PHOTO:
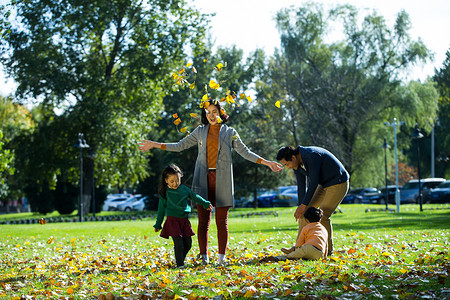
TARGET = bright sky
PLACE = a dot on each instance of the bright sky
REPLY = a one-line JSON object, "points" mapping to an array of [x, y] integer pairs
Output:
{"points": [[249, 24]]}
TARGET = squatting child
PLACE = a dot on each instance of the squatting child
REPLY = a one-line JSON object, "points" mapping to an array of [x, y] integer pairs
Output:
{"points": [[313, 240]]}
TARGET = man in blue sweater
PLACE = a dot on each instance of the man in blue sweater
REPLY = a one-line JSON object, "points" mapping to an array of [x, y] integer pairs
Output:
{"points": [[322, 182]]}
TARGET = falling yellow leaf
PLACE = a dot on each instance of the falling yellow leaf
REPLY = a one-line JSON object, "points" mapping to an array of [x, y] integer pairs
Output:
{"points": [[242, 96], [175, 116], [192, 85], [193, 115], [194, 69], [205, 97], [219, 67], [188, 65], [277, 104], [218, 119], [222, 111], [213, 84], [50, 240], [249, 99], [181, 71], [230, 99], [183, 130], [177, 121]]}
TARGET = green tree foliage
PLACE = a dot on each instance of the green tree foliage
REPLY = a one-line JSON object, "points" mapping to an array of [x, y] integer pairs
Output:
{"points": [[442, 78], [6, 158], [105, 65], [338, 94], [14, 119]]}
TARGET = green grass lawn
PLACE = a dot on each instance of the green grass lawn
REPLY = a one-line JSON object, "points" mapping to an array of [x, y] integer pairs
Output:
{"points": [[378, 254]]}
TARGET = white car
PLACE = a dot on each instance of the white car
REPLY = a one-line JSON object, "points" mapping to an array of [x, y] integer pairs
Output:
{"points": [[112, 203], [130, 203], [140, 204]]}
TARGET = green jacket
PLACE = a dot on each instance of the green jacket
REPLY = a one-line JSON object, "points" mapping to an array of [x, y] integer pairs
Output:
{"points": [[176, 204]]}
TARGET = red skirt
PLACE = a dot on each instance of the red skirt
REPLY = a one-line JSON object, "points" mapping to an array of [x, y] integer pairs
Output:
{"points": [[174, 226]]}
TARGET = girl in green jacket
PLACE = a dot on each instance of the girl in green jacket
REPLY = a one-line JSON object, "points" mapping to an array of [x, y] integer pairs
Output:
{"points": [[174, 202]]}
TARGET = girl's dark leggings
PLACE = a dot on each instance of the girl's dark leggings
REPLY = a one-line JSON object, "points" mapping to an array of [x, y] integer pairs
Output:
{"points": [[182, 245]]}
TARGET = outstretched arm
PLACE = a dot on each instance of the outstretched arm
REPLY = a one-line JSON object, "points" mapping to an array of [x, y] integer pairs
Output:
{"points": [[243, 151], [274, 166], [146, 145]]}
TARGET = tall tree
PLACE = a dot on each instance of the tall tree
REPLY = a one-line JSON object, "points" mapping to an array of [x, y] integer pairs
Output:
{"points": [[106, 65], [442, 78], [15, 119], [335, 94], [6, 169]]}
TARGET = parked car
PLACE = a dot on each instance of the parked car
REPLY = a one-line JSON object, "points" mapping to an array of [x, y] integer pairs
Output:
{"points": [[371, 196], [286, 199], [112, 203], [439, 194], [242, 201], [266, 199], [391, 194], [410, 191], [128, 204], [363, 195], [351, 196], [124, 195]]}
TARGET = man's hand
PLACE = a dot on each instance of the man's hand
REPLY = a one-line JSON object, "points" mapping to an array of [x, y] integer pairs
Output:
{"points": [[299, 211], [157, 229]]}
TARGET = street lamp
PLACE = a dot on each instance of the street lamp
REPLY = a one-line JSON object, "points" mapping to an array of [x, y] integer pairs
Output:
{"points": [[416, 135], [92, 156], [397, 190], [81, 145], [385, 147]]}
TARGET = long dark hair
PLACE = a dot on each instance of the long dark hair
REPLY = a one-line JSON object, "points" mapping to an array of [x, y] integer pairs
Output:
{"points": [[222, 113], [171, 169]]}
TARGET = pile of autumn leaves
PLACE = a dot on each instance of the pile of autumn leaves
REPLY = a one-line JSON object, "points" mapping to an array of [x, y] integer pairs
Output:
{"points": [[137, 267]]}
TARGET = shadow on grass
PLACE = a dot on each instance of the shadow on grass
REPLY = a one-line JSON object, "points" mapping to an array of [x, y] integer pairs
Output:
{"points": [[378, 220], [411, 221]]}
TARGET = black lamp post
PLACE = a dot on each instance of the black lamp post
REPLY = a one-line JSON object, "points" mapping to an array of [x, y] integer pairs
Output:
{"points": [[81, 145], [416, 136], [385, 147], [92, 156]]}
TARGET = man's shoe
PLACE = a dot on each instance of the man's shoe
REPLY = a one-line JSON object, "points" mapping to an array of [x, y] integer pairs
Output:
{"points": [[288, 250]]}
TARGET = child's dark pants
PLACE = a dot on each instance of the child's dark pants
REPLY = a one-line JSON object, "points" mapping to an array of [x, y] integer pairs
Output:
{"points": [[182, 245]]}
